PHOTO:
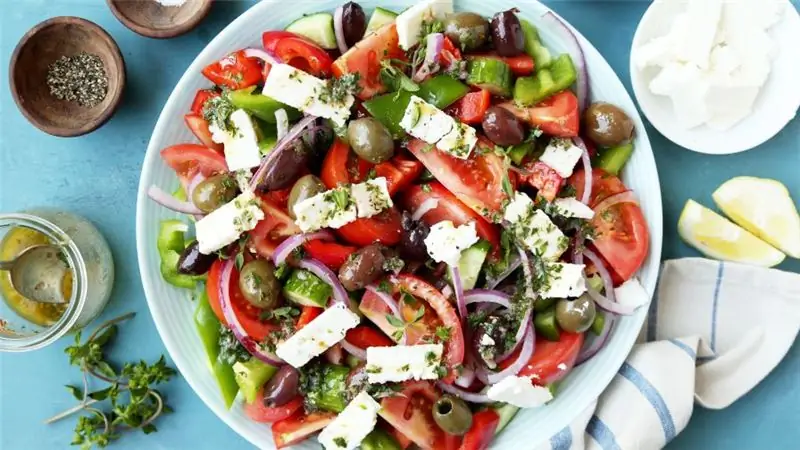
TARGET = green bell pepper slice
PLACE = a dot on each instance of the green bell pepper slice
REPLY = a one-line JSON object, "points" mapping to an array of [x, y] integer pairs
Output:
{"points": [[329, 391], [561, 74], [260, 105], [170, 243], [546, 325], [378, 439], [442, 91], [208, 328], [533, 45], [251, 375]]}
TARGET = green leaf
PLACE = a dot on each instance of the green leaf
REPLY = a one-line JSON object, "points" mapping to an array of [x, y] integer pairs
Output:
{"points": [[105, 369], [418, 314], [108, 334], [394, 321], [75, 391], [149, 428], [101, 394], [239, 261], [507, 188], [385, 287]]}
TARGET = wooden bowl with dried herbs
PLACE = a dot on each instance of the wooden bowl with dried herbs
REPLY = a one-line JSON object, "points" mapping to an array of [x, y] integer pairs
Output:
{"points": [[67, 76]]}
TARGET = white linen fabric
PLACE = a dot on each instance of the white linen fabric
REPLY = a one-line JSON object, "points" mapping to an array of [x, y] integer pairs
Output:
{"points": [[714, 331]]}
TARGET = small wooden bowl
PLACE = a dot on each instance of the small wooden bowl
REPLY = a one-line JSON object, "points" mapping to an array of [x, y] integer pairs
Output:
{"points": [[40, 47], [152, 19]]}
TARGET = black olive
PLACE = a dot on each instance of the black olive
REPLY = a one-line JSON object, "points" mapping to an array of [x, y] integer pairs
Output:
{"points": [[318, 139], [354, 23], [507, 35], [192, 262], [502, 127], [282, 387], [412, 241], [362, 267], [288, 164]]}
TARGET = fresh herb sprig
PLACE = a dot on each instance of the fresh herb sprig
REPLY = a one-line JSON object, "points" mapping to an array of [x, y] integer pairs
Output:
{"points": [[134, 402]]}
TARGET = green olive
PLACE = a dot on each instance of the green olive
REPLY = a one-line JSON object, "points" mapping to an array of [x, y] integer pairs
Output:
{"points": [[575, 316], [452, 415], [607, 125], [214, 192], [305, 187], [259, 285], [467, 30], [370, 140]]}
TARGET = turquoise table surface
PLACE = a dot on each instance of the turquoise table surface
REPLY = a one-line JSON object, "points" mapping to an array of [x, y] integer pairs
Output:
{"points": [[97, 176]]}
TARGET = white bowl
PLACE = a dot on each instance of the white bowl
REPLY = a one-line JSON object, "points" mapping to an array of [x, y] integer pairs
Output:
{"points": [[172, 308], [776, 105]]}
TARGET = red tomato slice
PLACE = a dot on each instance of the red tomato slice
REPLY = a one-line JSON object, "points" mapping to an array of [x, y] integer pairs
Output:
{"points": [[477, 181], [364, 336], [449, 54], [331, 254], [246, 313], [400, 172], [200, 99], [543, 367], [235, 71], [189, 159], [199, 127], [448, 207], [556, 116], [298, 427], [472, 107], [365, 58], [259, 412], [410, 413], [376, 311], [298, 52], [482, 431], [309, 313], [621, 235], [521, 65], [544, 178], [273, 229]]}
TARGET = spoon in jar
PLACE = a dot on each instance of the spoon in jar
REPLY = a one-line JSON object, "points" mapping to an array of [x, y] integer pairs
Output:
{"points": [[37, 273]]}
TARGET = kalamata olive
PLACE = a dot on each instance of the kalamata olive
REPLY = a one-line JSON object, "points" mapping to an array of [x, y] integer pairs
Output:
{"points": [[370, 140], [318, 139], [363, 267], [192, 262], [502, 127], [412, 241], [507, 35], [575, 316], [259, 285], [214, 192], [282, 387], [452, 415], [607, 125], [305, 187], [468, 30], [287, 165], [354, 23]]}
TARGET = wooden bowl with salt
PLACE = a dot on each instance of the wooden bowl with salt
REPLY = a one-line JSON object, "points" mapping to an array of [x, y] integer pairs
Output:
{"points": [[160, 19]]}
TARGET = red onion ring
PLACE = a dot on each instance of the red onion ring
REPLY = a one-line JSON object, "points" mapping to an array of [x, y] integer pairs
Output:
{"points": [[424, 208], [462, 394], [528, 346], [587, 169], [354, 350], [166, 200], [622, 197], [576, 52], [594, 345], [282, 123], [458, 286], [286, 247], [487, 296], [268, 162], [524, 324], [322, 271], [338, 28], [263, 55], [608, 301], [233, 322], [512, 266]]}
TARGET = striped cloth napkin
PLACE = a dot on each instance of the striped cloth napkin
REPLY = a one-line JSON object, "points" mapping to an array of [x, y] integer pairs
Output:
{"points": [[715, 330]]}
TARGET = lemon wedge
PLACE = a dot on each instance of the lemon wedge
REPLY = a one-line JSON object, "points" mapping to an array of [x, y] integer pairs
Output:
{"points": [[764, 208], [719, 238]]}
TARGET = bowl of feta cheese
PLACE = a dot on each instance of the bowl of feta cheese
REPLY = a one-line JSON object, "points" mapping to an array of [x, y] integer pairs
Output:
{"points": [[717, 76]]}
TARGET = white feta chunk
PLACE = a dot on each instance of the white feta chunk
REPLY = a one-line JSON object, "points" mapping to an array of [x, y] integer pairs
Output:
{"points": [[352, 425], [319, 335], [403, 362], [695, 45], [426, 122], [572, 207], [371, 197], [409, 22], [445, 242], [631, 293], [534, 229], [520, 392], [460, 141], [334, 208], [564, 281], [306, 93], [344, 208], [562, 156], [225, 224]]}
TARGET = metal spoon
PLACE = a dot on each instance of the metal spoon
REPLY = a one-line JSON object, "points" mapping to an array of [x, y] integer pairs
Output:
{"points": [[37, 273]]}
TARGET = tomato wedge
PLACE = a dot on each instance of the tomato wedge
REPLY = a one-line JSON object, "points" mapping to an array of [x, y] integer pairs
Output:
{"points": [[246, 313], [200, 99], [199, 127], [331, 254], [477, 181], [399, 172], [551, 361], [365, 59], [449, 54], [298, 52], [235, 71], [309, 313], [410, 413], [364, 336], [376, 311], [472, 107], [273, 229], [556, 116], [189, 159], [480, 435], [298, 427], [544, 178], [259, 412], [621, 235]]}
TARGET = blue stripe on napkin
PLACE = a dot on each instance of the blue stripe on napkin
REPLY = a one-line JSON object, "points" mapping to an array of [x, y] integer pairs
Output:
{"points": [[689, 350], [600, 432], [715, 304], [562, 440], [652, 395]]}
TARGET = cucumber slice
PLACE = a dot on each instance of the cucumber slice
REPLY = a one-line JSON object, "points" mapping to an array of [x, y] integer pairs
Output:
{"points": [[317, 27], [471, 262], [613, 159], [545, 324], [250, 375], [506, 413], [598, 323], [490, 74], [533, 46], [380, 17], [306, 289]]}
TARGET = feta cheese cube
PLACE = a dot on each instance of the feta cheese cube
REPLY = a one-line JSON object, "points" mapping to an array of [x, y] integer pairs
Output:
{"points": [[533, 229], [319, 335], [564, 281], [426, 122], [520, 392], [446, 242], [371, 197], [631, 293], [561, 156], [224, 225], [695, 45], [344, 208], [460, 141], [352, 425], [403, 362], [306, 93], [241, 141], [409, 22], [572, 207], [334, 208]]}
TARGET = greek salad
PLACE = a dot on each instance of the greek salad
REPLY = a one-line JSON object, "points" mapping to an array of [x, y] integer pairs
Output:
{"points": [[407, 226]]}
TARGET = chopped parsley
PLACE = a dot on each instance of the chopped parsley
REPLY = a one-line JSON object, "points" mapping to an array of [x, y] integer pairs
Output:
{"points": [[230, 350], [426, 188], [217, 110], [340, 442], [339, 88], [443, 333]]}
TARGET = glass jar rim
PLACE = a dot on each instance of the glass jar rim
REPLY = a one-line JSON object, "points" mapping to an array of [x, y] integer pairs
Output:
{"points": [[79, 292]]}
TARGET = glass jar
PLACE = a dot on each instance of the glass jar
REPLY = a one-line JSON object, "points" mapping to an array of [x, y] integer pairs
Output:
{"points": [[28, 325]]}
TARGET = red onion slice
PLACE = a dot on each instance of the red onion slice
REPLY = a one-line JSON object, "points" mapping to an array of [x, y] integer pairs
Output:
{"points": [[338, 28], [424, 208], [282, 123], [587, 169], [594, 345], [354, 350], [462, 394], [466, 378], [233, 322], [622, 197], [576, 52], [322, 271], [166, 200], [524, 324], [434, 45], [286, 247], [487, 296], [268, 162], [455, 275], [387, 299], [263, 55], [528, 346], [512, 266], [608, 301]]}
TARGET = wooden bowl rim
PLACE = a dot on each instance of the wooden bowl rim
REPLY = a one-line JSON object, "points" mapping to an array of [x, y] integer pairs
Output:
{"points": [[118, 78], [161, 33]]}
